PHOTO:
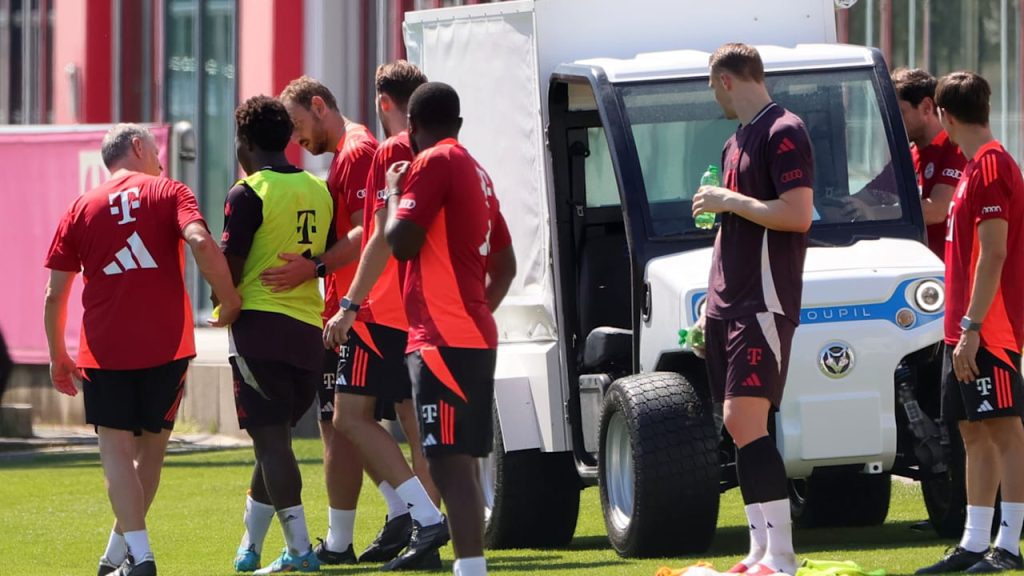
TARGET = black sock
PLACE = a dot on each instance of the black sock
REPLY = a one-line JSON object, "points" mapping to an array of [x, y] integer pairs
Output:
{"points": [[760, 471]]}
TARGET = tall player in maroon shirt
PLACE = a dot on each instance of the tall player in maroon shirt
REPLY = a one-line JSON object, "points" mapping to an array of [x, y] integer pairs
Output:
{"points": [[984, 330], [755, 288], [125, 237], [445, 223]]}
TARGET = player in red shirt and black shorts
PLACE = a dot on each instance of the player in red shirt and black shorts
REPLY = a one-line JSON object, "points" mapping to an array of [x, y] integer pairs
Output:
{"points": [[376, 373], [444, 222], [755, 289], [125, 237], [984, 330]]}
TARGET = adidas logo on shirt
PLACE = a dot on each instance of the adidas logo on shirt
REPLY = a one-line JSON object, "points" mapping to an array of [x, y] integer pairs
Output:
{"points": [[430, 440], [984, 407], [134, 255]]}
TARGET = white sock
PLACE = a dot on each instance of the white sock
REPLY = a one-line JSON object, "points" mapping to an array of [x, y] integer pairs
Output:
{"points": [[396, 506], [257, 522], [138, 545], [339, 531], [475, 566], [779, 525], [978, 528], [419, 503], [296, 535], [117, 549], [1009, 527], [758, 535]]}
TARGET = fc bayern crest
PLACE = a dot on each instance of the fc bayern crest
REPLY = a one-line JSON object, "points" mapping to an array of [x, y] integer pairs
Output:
{"points": [[929, 170]]}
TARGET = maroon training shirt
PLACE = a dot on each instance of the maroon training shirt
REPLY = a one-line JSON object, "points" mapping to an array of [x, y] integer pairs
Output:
{"points": [[754, 269]]}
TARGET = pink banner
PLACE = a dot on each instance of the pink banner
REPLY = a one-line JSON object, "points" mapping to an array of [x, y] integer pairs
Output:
{"points": [[44, 169]]}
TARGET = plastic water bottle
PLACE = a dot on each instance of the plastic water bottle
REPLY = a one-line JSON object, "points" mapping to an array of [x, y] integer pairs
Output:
{"points": [[692, 338], [706, 221]]}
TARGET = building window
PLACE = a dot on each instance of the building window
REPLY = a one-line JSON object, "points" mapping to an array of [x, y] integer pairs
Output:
{"points": [[942, 36], [26, 70]]}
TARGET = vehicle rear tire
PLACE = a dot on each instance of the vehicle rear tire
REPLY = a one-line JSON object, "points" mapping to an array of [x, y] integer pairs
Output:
{"points": [[945, 495], [531, 498], [658, 467], [840, 496]]}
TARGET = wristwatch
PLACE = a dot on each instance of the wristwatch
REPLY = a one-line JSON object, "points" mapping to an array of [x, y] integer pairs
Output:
{"points": [[347, 304], [392, 192], [320, 267], [967, 324]]}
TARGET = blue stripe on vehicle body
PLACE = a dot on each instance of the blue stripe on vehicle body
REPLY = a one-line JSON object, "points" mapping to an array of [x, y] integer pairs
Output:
{"points": [[885, 311]]}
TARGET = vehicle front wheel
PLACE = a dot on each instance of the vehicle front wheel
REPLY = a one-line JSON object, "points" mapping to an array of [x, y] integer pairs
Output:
{"points": [[658, 467]]}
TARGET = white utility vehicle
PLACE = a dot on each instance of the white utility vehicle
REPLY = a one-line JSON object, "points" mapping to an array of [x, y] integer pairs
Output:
{"points": [[595, 120]]}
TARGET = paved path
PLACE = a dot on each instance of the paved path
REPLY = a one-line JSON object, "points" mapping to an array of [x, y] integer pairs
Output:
{"points": [[82, 439]]}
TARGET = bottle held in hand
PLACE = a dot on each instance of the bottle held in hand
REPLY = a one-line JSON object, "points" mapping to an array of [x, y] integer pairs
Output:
{"points": [[706, 221]]}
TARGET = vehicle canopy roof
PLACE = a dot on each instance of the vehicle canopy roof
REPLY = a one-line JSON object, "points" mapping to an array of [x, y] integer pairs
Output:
{"points": [[694, 63]]}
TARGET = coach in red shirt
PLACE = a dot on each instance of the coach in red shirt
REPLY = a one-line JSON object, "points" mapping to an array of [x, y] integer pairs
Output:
{"points": [[938, 161], [981, 387], [445, 224], [125, 236]]}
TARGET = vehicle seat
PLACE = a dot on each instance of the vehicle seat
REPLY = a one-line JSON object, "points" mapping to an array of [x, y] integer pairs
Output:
{"points": [[608, 350]]}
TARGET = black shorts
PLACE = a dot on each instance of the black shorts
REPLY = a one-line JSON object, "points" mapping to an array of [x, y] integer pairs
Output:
{"points": [[748, 356], [325, 391], [995, 393], [271, 393], [376, 367], [454, 395], [136, 400]]}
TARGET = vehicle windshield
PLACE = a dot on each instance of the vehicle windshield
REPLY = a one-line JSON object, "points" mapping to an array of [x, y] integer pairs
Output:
{"points": [[680, 130]]}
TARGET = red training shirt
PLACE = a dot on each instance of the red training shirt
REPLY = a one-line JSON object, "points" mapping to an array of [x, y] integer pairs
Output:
{"points": [[125, 236], [347, 182], [991, 187], [940, 162], [450, 196], [384, 303]]}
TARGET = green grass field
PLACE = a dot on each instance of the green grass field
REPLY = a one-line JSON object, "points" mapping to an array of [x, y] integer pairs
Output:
{"points": [[56, 519]]}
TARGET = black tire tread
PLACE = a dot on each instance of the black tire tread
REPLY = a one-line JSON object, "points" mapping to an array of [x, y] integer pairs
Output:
{"points": [[536, 499], [676, 484]]}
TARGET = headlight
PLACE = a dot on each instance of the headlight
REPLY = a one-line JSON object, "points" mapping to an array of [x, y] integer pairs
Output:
{"points": [[929, 296], [702, 305]]}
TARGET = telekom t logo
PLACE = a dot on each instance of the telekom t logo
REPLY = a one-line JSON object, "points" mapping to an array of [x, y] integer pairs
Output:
{"points": [[306, 225], [122, 203], [429, 413]]}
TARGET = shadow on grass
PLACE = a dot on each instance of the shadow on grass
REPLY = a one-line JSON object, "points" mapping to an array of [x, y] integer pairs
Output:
{"points": [[734, 540], [539, 564], [92, 459]]}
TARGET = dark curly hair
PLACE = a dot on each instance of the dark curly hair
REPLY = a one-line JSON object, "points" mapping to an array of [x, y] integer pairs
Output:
{"points": [[263, 122]]}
